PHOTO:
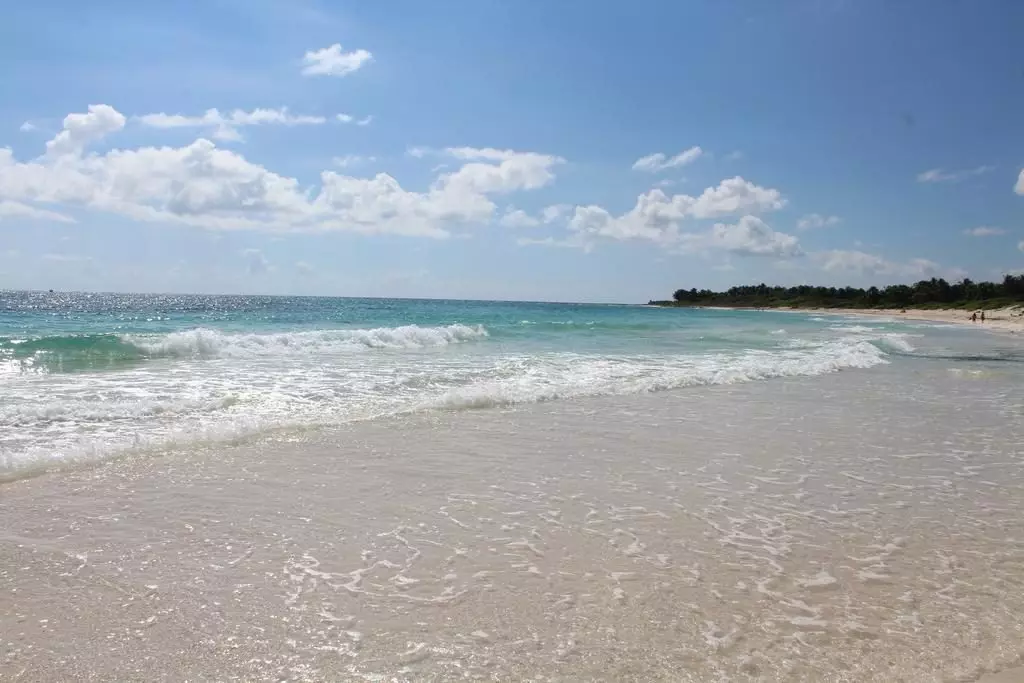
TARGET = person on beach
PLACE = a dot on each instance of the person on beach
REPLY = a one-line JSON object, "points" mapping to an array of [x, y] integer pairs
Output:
{"points": [[983, 316], [974, 317]]}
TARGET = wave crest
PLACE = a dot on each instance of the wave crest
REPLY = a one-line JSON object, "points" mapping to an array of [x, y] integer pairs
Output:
{"points": [[206, 343]]}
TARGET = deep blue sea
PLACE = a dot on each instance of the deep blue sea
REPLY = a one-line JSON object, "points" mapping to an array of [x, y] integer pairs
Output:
{"points": [[86, 376]]}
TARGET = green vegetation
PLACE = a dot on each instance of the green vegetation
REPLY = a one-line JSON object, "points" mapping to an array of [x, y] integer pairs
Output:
{"points": [[934, 293]]}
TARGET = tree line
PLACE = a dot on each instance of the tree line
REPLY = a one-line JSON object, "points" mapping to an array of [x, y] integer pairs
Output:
{"points": [[933, 293]]}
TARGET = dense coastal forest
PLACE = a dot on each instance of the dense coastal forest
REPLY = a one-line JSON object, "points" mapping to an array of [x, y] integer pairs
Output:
{"points": [[934, 293]]}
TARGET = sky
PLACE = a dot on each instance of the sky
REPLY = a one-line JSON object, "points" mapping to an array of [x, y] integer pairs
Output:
{"points": [[580, 150]]}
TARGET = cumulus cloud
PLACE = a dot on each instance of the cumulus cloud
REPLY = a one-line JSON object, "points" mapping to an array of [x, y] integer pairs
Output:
{"points": [[9, 209], [555, 212], [984, 231], [749, 236], [652, 163], [862, 262], [304, 268], [735, 195], [514, 171], [939, 175], [476, 153], [1019, 188], [816, 220], [657, 216], [206, 186], [82, 129], [27, 127], [225, 126], [332, 61], [517, 218]]}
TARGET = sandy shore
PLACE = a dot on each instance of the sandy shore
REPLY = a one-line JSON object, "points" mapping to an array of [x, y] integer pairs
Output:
{"points": [[1003, 319], [745, 532]]}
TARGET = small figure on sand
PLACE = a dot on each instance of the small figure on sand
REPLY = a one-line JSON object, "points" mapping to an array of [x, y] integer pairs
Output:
{"points": [[983, 316], [974, 317]]}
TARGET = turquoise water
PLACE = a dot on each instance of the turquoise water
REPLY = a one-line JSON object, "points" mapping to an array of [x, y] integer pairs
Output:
{"points": [[86, 376]]}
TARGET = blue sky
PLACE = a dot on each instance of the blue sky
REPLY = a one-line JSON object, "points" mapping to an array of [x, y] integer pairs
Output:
{"points": [[599, 151]]}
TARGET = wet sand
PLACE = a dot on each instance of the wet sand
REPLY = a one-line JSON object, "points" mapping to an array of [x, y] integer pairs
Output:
{"points": [[838, 528]]}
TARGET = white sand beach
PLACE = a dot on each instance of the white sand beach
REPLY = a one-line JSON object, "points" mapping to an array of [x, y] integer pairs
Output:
{"points": [[1009, 319], [841, 528]]}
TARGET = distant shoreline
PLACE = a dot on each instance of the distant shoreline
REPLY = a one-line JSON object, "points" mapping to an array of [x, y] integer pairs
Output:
{"points": [[1006, 319]]}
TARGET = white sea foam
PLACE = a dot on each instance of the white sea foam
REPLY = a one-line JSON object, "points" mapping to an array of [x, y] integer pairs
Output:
{"points": [[83, 411], [153, 407], [562, 376], [896, 342], [851, 328], [206, 343]]}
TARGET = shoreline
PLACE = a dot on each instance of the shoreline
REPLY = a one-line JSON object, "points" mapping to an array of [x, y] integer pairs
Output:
{"points": [[1002, 320], [435, 546], [1007, 319]]}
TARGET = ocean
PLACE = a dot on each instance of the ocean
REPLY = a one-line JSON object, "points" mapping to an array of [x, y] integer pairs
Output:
{"points": [[88, 376], [318, 489]]}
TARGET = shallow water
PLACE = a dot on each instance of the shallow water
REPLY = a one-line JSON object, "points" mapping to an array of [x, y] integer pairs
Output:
{"points": [[861, 526], [86, 377], [650, 495]]}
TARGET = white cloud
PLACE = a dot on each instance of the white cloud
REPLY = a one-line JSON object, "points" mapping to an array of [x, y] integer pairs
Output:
{"points": [[749, 236], [27, 127], [352, 160], [516, 171], [463, 153], [331, 61], [939, 175], [555, 212], [205, 186], [652, 163], [657, 216], [348, 118], [476, 153], [735, 195], [517, 218], [735, 155], [1019, 188], [815, 220], [225, 126], [304, 268], [81, 129], [9, 209], [984, 231], [859, 261], [1020, 245], [257, 263]]}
